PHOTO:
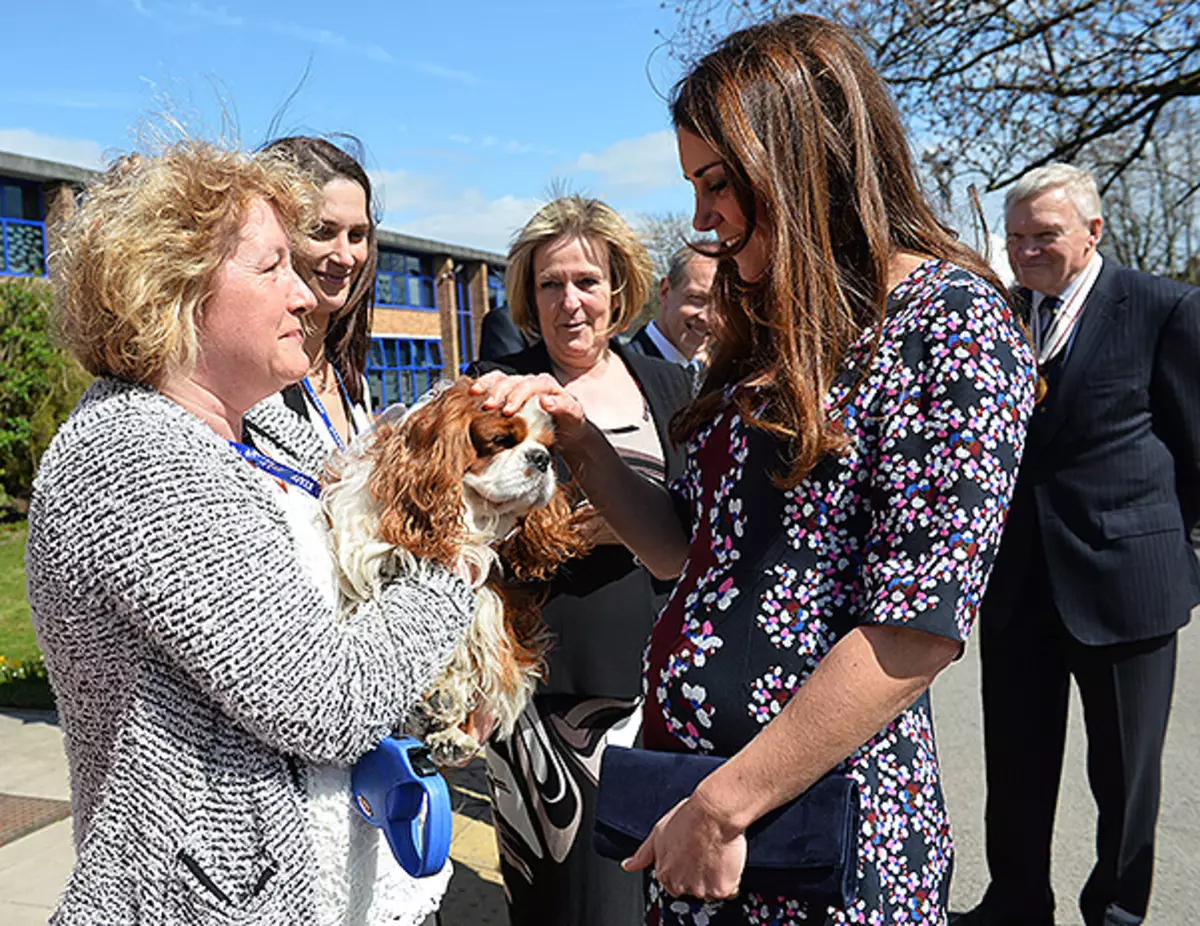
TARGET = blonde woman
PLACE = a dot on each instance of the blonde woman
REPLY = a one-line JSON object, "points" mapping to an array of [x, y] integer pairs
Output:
{"points": [[576, 276], [195, 662]]}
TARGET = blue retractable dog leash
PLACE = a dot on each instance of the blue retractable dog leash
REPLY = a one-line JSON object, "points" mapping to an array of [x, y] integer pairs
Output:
{"points": [[398, 789]]}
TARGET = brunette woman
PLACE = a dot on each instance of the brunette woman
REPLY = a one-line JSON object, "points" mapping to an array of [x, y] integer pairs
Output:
{"points": [[851, 457], [337, 261]]}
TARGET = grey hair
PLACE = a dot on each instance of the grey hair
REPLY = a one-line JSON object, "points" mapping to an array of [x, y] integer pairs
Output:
{"points": [[679, 264], [1077, 183]]}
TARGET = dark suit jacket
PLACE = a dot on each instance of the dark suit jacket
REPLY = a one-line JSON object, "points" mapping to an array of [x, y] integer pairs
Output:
{"points": [[499, 336], [1109, 485], [600, 608], [642, 343]]}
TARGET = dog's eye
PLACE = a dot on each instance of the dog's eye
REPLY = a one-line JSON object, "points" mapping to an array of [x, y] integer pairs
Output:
{"points": [[505, 441]]}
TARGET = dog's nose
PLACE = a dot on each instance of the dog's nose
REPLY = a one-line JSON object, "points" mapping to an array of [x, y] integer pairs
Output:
{"points": [[538, 458]]}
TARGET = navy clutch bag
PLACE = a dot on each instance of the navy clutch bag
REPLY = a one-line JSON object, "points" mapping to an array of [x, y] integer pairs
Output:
{"points": [[806, 849]]}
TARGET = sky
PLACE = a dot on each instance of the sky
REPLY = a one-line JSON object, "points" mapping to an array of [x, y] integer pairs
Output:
{"points": [[469, 111]]}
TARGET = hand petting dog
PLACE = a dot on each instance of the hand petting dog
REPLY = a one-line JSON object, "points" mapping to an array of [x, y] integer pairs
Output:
{"points": [[474, 490]]}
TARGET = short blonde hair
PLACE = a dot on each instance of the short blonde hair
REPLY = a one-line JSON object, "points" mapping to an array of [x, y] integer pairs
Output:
{"points": [[632, 274], [135, 264]]}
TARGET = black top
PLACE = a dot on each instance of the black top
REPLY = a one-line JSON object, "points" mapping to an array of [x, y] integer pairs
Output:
{"points": [[499, 336], [600, 608]]}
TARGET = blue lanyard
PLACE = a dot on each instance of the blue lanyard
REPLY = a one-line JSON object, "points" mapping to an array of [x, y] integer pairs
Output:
{"points": [[277, 469], [319, 406]]}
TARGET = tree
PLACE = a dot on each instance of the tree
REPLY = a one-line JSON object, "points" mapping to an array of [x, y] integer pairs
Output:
{"points": [[664, 233], [1151, 214], [992, 88]]}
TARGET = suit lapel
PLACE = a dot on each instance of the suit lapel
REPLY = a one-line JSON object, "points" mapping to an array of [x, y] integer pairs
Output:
{"points": [[1101, 308]]}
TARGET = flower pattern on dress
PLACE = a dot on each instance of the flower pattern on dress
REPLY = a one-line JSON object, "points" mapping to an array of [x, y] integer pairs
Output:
{"points": [[899, 530]]}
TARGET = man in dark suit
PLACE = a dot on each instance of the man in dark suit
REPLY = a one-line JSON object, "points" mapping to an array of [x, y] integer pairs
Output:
{"points": [[498, 336], [1095, 573], [680, 329]]}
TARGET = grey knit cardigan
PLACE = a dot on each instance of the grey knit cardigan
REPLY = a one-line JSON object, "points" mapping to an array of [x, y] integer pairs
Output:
{"points": [[194, 661]]}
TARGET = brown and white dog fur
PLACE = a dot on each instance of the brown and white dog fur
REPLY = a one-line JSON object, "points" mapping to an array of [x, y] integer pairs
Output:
{"points": [[474, 491]]}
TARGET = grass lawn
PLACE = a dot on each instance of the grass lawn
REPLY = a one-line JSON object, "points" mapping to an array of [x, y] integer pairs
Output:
{"points": [[17, 640], [16, 633]]}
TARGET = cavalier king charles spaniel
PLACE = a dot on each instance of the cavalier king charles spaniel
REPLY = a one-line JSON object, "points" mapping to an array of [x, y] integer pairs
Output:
{"points": [[475, 491]]}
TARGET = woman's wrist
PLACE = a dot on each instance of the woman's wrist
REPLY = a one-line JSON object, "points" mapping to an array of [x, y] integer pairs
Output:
{"points": [[580, 446], [721, 805]]}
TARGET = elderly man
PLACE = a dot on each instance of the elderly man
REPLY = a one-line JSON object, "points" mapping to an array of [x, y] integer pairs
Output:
{"points": [[682, 326], [1095, 573]]}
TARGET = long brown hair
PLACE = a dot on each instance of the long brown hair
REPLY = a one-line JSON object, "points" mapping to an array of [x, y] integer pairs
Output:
{"points": [[815, 154], [349, 334]]}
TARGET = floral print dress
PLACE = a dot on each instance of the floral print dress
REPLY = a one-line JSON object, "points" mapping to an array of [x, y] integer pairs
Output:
{"points": [[901, 530]]}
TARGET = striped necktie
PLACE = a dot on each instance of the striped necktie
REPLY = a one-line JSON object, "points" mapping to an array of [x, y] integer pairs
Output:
{"points": [[1046, 313]]}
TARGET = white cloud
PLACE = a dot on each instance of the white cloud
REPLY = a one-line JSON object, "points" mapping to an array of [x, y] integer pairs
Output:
{"points": [[217, 15], [172, 15], [650, 162], [402, 191], [82, 152], [469, 218]]}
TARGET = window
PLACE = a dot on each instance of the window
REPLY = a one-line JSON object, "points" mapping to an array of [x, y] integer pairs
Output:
{"points": [[496, 294], [402, 369], [22, 232], [405, 281], [466, 330]]}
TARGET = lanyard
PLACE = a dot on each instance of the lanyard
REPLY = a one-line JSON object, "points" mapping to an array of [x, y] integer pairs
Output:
{"points": [[319, 406], [278, 470], [1057, 338]]}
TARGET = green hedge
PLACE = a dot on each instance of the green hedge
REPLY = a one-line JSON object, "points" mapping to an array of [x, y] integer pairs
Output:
{"points": [[39, 385]]}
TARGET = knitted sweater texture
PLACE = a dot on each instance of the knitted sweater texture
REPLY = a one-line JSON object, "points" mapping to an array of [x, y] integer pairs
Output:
{"points": [[193, 661]]}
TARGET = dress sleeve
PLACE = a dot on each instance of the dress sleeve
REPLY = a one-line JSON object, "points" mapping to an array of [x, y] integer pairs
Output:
{"points": [[950, 437]]}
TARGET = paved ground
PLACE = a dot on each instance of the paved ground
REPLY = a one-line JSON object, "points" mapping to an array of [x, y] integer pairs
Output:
{"points": [[34, 868], [958, 719]]}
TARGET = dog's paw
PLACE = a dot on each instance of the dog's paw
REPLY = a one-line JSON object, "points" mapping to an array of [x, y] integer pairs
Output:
{"points": [[452, 748]]}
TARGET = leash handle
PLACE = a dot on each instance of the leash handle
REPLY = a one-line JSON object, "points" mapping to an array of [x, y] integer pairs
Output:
{"points": [[399, 790]]}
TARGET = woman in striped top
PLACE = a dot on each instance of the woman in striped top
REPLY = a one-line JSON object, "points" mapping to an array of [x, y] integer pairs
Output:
{"points": [[576, 276]]}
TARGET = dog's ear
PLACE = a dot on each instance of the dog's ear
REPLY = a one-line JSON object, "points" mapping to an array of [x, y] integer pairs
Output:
{"points": [[544, 540], [417, 477], [527, 633]]}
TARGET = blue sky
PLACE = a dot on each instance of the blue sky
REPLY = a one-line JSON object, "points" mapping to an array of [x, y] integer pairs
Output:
{"points": [[468, 110]]}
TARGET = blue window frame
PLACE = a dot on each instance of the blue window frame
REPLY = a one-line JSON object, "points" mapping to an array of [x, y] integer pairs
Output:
{"points": [[405, 281], [402, 369], [496, 293], [22, 231], [466, 331]]}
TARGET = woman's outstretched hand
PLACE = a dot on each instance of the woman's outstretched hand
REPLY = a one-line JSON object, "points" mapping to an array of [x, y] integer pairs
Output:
{"points": [[693, 854], [509, 393]]}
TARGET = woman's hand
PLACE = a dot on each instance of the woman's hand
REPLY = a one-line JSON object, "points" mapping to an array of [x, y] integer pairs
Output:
{"points": [[692, 853], [509, 393]]}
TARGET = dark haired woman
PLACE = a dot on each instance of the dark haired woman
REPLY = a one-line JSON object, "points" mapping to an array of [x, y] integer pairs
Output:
{"points": [[356, 880], [337, 261], [850, 461]]}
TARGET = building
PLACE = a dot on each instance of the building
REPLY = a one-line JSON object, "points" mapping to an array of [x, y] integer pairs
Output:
{"points": [[430, 296]]}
